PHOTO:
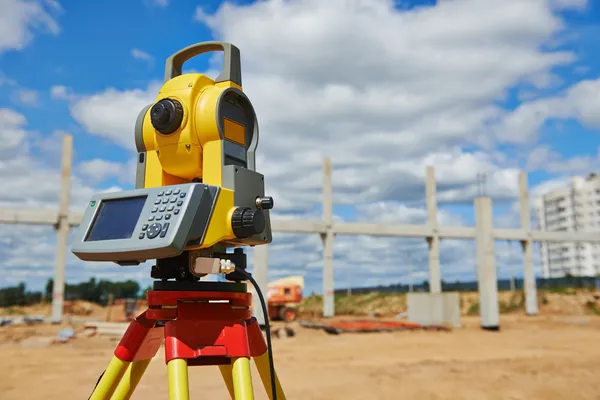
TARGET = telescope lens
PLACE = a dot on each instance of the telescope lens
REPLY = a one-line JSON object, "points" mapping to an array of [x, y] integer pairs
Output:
{"points": [[166, 116]]}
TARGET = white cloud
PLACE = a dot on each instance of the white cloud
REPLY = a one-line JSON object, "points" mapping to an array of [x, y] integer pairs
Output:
{"points": [[99, 170], [28, 97], [112, 114], [12, 134], [60, 92], [542, 157], [19, 20], [580, 101], [141, 55], [157, 3]]}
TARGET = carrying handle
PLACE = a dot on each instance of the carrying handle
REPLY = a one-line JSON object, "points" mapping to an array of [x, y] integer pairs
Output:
{"points": [[231, 71]]}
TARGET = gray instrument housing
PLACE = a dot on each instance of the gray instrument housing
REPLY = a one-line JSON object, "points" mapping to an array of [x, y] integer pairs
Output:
{"points": [[190, 224]]}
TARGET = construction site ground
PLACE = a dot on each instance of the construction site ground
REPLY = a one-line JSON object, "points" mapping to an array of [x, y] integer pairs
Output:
{"points": [[542, 357]]}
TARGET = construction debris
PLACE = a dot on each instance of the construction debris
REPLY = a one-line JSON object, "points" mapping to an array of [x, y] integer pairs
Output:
{"points": [[106, 328], [64, 335], [363, 326]]}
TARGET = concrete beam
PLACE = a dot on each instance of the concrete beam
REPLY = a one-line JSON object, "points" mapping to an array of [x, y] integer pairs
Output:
{"points": [[529, 284], [295, 226], [433, 241], [510, 234], [28, 216], [540, 236], [456, 232], [50, 217], [260, 273], [62, 230], [486, 265], [398, 230], [327, 237]]}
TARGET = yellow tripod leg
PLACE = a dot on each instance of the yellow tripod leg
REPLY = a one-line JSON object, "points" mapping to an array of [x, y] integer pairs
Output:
{"points": [[110, 379], [262, 365], [242, 380], [227, 374], [178, 379], [130, 380]]}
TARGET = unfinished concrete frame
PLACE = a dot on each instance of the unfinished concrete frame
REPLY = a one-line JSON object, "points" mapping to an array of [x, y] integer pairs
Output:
{"points": [[483, 233]]}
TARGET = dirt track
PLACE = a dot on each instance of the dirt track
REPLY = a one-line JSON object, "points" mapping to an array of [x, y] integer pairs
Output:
{"points": [[531, 358]]}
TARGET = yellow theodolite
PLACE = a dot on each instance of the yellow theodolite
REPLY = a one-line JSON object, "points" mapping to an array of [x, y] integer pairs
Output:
{"points": [[197, 195]]}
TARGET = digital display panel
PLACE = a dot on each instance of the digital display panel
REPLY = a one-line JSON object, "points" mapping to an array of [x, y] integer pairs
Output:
{"points": [[116, 219]]}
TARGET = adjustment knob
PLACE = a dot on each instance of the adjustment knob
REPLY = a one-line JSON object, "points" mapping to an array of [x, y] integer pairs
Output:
{"points": [[264, 203], [246, 222], [166, 116]]}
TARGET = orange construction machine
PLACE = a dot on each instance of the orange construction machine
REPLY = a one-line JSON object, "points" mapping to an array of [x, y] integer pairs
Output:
{"points": [[283, 298]]}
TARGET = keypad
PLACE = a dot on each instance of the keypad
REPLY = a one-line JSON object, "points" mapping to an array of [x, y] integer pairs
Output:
{"points": [[154, 230], [168, 205], [165, 227]]}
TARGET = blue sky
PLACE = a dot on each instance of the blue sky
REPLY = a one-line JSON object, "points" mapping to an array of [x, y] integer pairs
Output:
{"points": [[118, 49]]}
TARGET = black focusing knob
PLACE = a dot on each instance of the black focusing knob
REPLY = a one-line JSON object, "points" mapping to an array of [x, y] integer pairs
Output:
{"points": [[264, 203], [246, 222], [166, 116]]}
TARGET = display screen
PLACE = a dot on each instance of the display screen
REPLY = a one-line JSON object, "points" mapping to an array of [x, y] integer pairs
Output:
{"points": [[116, 219]]}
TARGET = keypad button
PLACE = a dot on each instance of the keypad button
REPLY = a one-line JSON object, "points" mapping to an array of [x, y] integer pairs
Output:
{"points": [[151, 218], [168, 216], [144, 227], [163, 208], [168, 192], [179, 203], [161, 193], [170, 208], [142, 235], [154, 209], [173, 199], [157, 201], [165, 227], [154, 230], [176, 211], [176, 191], [182, 195], [158, 217], [165, 200]]}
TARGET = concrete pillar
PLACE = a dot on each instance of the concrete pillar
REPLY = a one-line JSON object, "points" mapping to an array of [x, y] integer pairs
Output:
{"points": [[435, 277], [529, 284], [328, 287], [62, 229], [260, 273], [486, 265]]}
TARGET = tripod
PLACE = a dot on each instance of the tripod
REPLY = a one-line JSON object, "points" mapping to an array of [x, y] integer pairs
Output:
{"points": [[200, 323]]}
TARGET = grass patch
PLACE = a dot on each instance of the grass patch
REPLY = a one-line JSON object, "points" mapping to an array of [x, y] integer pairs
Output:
{"points": [[593, 307], [473, 309], [568, 291]]}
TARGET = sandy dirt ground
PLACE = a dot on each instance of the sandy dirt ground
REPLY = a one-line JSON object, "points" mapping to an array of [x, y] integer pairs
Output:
{"points": [[530, 358]]}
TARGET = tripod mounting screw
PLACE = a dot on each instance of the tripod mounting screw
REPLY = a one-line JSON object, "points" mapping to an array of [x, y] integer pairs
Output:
{"points": [[166, 116], [246, 222]]}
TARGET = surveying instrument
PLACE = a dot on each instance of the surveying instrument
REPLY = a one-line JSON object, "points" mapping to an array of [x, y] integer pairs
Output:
{"points": [[197, 196]]}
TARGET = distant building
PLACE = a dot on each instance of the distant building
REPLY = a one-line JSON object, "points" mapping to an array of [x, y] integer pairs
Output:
{"points": [[572, 208]]}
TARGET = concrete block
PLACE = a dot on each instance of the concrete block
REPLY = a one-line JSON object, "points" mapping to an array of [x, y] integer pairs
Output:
{"points": [[434, 308]]}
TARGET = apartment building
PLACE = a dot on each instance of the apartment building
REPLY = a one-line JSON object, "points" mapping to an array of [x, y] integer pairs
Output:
{"points": [[572, 208]]}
